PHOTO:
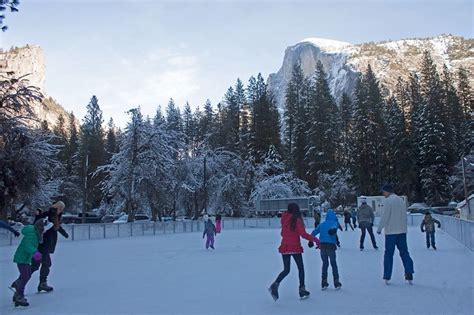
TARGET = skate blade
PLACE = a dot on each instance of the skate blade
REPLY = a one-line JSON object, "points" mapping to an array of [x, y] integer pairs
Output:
{"points": [[410, 282], [13, 289], [273, 297], [304, 297], [324, 289], [337, 289]]}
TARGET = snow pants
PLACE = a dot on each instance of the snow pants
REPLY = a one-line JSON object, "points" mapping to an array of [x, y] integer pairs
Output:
{"points": [[45, 264]]}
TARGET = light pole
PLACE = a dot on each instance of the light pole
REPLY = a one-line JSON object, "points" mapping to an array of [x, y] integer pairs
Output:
{"points": [[465, 185]]}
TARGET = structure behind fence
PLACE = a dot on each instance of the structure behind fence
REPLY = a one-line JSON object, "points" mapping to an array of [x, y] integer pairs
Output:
{"points": [[462, 230]]}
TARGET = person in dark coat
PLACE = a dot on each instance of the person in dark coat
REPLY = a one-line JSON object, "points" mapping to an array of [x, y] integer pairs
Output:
{"points": [[6, 226], [50, 238], [428, 226], [366, 222], [347, 219], [317, 218]]}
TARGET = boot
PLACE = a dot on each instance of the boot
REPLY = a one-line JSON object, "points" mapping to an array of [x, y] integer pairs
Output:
{"points": [[20, 300], [409, 278], [303, 293], [434, 247], [274, 290], [337, 284], [43, 286], [324, 284], [13, 285]]}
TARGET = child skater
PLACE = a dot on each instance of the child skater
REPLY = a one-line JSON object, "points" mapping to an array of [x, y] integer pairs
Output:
{"points": [[218, 223], [292, 228], [210, 232], [428, 226], [26, 251], [328, 234]]}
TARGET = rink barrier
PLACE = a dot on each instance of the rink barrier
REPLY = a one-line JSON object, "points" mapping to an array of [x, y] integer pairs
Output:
{"points": [[461, 230]]}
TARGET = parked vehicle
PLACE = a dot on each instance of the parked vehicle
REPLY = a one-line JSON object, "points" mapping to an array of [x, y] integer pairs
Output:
{"points": [[443, 210], [138, 218], [109, 218]]}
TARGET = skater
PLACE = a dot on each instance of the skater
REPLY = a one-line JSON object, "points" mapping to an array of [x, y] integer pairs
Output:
{"points": [[292, 228], [428, 226], [218, 223], [210, 232], [6, 226], [347, 219], [317, 218], [394, 222], [328, 234], [25, 253], [48, 246], [354, 218], [366, 222]]}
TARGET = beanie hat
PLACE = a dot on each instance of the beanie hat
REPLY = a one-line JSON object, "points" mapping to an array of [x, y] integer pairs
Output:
{"points": [[387, 188]]}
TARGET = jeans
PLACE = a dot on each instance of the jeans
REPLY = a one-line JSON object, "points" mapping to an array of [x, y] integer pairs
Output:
{"points": [[25, 275], [326, 256], [430, 236], [364, 227], [346, 223], [286, 267], [399, 240], [45, 266]]}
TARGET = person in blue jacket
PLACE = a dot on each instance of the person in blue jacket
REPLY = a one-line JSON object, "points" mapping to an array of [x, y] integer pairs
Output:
{"points": [[328, 239]]}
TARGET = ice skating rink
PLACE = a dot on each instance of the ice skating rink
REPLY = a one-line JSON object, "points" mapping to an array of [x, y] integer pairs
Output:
{"points": [[174, 274]]}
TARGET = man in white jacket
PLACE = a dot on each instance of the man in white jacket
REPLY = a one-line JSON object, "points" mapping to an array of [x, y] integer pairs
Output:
{"points": [[394, 222]]}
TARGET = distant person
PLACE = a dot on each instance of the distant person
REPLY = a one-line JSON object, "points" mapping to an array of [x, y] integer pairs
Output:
{"points": [[347, 219], [428, 226], [292, 228], [218, 223], [6, 226], [328, 238], [48, 246], [366, 222], [317, 218], [354, 218], [26, 252], [210, 232], [394, 222]]}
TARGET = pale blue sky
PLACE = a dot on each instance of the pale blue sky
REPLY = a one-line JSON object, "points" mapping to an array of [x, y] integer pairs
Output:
{"points": [[131, 53]]}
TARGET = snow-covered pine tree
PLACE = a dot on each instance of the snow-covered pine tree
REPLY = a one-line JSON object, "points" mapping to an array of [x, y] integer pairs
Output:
{"points": [[91, 154], [323, 131], [230, 120], [433, 158], [345, 121], [466, 98], [189, 127]]}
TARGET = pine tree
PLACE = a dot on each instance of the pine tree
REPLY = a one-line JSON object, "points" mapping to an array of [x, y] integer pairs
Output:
{"points": [[434, 167], [322, 135], [111, 145], [230, 120], [173, 117], [158, 120], [345, 120], [466, 98], [189, 126], [91, 154], [60, 139]]}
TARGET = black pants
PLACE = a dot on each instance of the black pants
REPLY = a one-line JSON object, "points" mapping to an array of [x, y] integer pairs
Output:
{"points": [[326, 256], [286, 267], [346, 223], [45, 266], [371, 233]]}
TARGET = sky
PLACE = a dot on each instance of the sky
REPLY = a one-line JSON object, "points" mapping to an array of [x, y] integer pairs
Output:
{"points": [[142, 53]]}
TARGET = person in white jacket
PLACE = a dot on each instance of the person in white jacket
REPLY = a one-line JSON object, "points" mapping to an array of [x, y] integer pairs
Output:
{"points": [[394, 222]]}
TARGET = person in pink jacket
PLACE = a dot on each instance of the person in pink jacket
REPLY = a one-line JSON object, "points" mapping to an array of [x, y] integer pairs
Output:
{"points": [[218, 223]]}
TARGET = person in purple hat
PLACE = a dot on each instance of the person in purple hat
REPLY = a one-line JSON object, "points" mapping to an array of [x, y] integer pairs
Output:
{"points": [[394, 222]]}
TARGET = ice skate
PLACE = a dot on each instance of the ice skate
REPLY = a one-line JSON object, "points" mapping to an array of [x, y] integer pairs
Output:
{"points": [[387, 281], [43, 286], [324, 284], [337, 284], [409, 278], [273, 289], [20, 300], [303, 293]]}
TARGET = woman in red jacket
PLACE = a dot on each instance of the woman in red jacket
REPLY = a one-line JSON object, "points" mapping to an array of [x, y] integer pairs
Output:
{"points": [[292, 228]]}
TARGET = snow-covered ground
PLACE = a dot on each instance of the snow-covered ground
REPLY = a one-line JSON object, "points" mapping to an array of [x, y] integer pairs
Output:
{"points": [[174, 274]]}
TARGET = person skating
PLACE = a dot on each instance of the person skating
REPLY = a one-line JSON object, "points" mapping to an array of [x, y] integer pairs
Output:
{"points": [[210, 232], [347, 219], [317, 218], [354, 218], [292, 228], [218, 223], [428, 226], [394, 222], [26, 252], [6, 226], [366, 222], [328, 238], [48, 246]]}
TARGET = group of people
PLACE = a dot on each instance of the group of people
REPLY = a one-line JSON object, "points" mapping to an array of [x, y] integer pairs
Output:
{"points": [[35, 249], [393, 222]]}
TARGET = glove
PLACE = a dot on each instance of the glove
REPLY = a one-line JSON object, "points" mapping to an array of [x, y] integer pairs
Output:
{"points": [[310, 244], [37, 256], [422, 230], [16, 233], [66, 235]]}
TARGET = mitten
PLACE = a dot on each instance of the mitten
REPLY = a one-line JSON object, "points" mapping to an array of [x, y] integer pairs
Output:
{"points": [[310, 244], [66, 235], [439, 225], [37, 256], [16, 233], [422, 230]]}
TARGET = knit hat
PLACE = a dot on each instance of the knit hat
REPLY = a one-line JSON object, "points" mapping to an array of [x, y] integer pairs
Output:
{"points": [[387, 188], [427, 213], [363, 199]]}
